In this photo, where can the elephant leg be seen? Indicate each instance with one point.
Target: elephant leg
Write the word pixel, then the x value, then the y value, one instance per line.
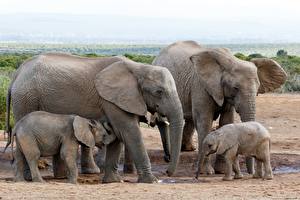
pixel 226 117
pixel 265 155
pixel 126 128
pixel 228 170
pixel 19 164
pixel 165 138
pixel 203 126
pixel 236 169
pixel 128 162
pixel 59 167
pixel 259 169
pixel 113 152
pixel 69 156
pixel 250 165
pixel 231 163
pixel 88 165
pixel 100 158
pixel 32 156
pixel 187 137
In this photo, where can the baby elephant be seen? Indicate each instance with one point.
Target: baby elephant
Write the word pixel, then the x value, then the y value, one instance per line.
pixel 249 139
pixel 44 134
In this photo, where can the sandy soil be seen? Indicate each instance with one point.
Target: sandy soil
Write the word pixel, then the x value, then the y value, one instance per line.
pixel 280 113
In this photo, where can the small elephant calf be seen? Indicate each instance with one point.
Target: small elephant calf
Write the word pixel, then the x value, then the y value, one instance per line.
pixel 249 139
pixel 44 134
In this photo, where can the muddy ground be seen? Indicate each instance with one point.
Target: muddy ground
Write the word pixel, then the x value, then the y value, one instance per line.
pixel 280 113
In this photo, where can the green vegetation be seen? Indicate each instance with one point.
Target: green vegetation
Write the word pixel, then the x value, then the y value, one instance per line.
pixel 291 65
pixel 9 62
pixel 4 83
pixel 140 58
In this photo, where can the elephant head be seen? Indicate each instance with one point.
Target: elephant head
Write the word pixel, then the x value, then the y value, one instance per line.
pixel 237 82
pixel 92 132
pixel 217 142
pixel 136 88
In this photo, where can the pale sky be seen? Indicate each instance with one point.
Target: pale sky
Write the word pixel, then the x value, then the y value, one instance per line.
pixel 265 21
pixel 196 9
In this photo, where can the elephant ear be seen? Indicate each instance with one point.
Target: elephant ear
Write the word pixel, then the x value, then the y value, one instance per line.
pixel 82 131
pixel 224 143
pixel 117 84
pixel 270 74
pixel 210 71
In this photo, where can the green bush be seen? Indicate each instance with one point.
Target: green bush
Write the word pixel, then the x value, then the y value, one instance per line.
pixel 13 61
pixel 241 56
pixel 255 55
pixel 4 83
pixel 281 53
pixel 140 58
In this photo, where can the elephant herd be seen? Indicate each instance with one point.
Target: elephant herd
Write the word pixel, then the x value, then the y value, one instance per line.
pixel 187 84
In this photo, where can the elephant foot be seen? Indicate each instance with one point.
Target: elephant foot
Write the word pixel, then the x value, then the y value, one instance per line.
pixel 112 178
pixel 39 180
pixel 59 171
pixel 227 178
pixel 268 177
pixel 209 170
pixel 238 176
pixel 257 175
pixel 19 179
pixel 149 178
pixel 128 168
pixel 188 147
pixel 167 158
pixel 90 170
pixel 72 181
pixel 27 175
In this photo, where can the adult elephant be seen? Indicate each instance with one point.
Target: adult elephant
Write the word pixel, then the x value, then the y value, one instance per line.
pixel 211 82
pixel 113 88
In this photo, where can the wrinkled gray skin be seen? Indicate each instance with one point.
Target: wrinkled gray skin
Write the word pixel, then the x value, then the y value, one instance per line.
pixel 114 88
pixel 45 134
pixel 213 83
pixel 231 140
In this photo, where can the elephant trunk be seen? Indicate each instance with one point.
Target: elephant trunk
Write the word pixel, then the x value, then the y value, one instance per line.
pixel 248 108
pixel 176 130
pixel 247 113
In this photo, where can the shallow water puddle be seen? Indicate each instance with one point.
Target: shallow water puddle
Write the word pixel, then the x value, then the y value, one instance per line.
pixel 286 169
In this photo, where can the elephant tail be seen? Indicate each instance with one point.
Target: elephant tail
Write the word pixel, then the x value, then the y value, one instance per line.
pixel 7 119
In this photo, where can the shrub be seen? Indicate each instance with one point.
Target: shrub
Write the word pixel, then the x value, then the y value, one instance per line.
pixel 255 55
pixel 241 56
pixel 281 53
pixel 140 58
pixel 4 83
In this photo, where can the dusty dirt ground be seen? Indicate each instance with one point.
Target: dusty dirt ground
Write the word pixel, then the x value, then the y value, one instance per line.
pixel 280 113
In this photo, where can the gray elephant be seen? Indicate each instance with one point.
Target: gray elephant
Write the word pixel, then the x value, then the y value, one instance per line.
pixel 113 88
pixel 231 140
pixel 212 83
pixel 41 133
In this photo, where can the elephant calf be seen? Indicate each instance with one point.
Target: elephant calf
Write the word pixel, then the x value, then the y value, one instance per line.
pixel 44 134
pixel 249 139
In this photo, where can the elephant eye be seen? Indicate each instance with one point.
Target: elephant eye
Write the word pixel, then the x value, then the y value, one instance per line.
pixel 158 92
pixel 210 145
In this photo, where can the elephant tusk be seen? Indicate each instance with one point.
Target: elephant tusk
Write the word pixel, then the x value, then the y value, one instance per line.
pixel 167 123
